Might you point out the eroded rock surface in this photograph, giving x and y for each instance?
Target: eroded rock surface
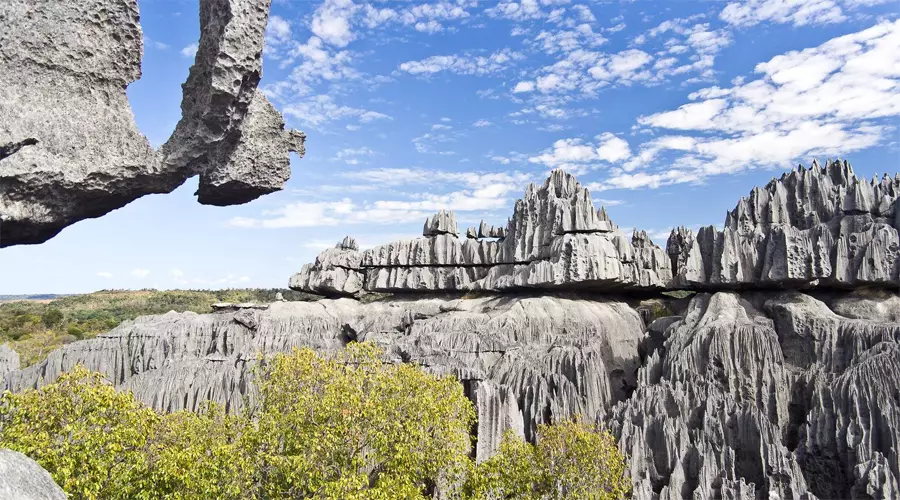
(71, 149)
(21, 478)
(524, 360)
(555, 239)
(816, 227)
(765, 396)
(820, 227)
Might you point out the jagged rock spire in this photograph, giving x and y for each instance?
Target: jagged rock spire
(443, 222)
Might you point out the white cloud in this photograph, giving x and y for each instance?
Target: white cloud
(797, 12)
(464, 64)
(278, 30)
(322, 109)
(430, 26)
(566, 152)
(331, 22)
(525, 86)
(839, 97)
(517, 11)
(481, 191)
(612, 149)
(481, 123)
(105, 274)
(351, 155)
(189, 51)
(140, 273)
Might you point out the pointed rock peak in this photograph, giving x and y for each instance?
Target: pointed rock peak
(443, 222)
(348, 243)
(602, 215)
(561, 183)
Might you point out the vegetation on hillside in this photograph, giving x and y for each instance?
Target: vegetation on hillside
(346, 426)
(34, 329)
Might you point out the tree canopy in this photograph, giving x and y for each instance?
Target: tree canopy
(348, 426)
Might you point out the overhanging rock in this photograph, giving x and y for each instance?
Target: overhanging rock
(70, 147)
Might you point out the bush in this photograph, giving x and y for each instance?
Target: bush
(345, 426)
(90, 437)
(353, 426)
(571, 460)
(52, 317)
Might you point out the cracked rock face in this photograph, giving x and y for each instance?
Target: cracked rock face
(21, 478)
(816, 227)
(71, 149)
(766, 396)
(555, 239)
(523, 360)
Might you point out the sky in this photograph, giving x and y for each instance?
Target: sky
(669, 112)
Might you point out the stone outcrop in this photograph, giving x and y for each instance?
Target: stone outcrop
(9, 360)
(70, 147)
(765, 396)
(523, 360)
(813, 228)
(555, 239)
(819, 227)
(21, 478)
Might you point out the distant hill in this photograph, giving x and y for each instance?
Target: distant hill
(36, 324)
(37, 296)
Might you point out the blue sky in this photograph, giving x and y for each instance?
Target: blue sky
(669, 111)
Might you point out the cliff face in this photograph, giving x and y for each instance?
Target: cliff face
(777, 379)
(556, 239)
(816, 228)
(523, 360)
(73, 150)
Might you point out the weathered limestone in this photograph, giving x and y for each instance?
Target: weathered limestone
(336, 272)
(555, 239)
(524, 360)
(70, 147)
(21, 478)
(9, 360)
(816, 227)
(762, 396)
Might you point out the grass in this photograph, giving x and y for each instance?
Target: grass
(35, 328)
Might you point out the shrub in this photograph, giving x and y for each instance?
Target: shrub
(344, 426)
(90, 437)
(570, 460)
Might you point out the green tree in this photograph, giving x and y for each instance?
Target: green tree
(90, 437)
(352, 426)
(200, 455)
(571, 460)
(52, 317)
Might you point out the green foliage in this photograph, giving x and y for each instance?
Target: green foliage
(571, 460)
(346, 426)
(200, 455)
(34, 328)
(52, 317)
(355, 427)
(90, 437)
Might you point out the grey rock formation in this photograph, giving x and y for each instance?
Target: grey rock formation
(443, 222)
(524, 360)
(9, 360)
(21, 478)
(336, 272)
(765, 396)
(555, 239)
(71, 149)
(817, 227)
(485, 230)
